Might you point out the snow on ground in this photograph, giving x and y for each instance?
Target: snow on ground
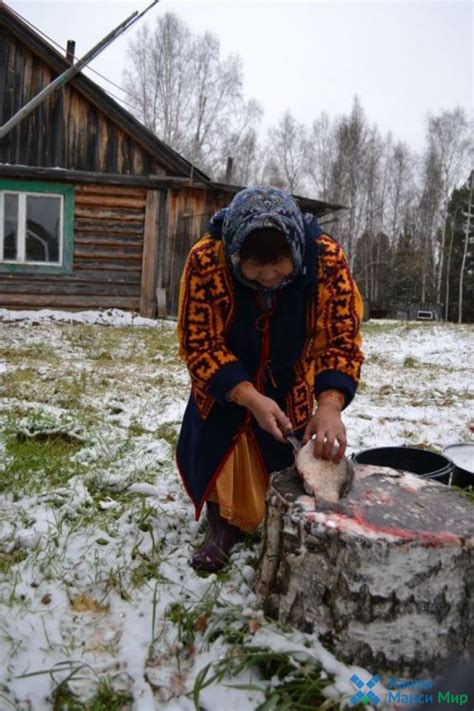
(95, 529)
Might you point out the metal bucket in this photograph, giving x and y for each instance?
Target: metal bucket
(426, 464)
(462, 456)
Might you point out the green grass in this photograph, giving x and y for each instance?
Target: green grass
(106, 699)
(21, 355)
(8, 560)
(169, 432)
(296, 682)
(128, 345)
(34, 465)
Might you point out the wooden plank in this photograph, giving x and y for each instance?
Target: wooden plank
(109, 201)
(85, 276)
(150, 254)
(121, 215)
(64, 300)
(71, 287)
(126, 191)
(103, 226)
(112, 255)
(108, 241)
(96, 265)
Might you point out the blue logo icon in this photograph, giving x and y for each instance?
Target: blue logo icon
(362, 697)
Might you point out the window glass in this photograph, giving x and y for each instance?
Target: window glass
(10, 226)
(43, 225)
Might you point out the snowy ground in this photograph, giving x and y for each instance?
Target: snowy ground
(99, 608)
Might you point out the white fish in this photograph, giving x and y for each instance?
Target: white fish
(323, 478)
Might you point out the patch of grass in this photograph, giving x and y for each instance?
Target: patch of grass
(19, 355)
(145, 571)
(410, 362)
(23, 384)
(69, 389)
(106, 699)
(111, 343)
(36, 464)
(7, 560)
(286, 681)
(136, 430)
(376, 359)
(169, 432)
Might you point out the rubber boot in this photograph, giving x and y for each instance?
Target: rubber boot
(221, 537)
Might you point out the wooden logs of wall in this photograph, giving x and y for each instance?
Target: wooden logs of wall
(107, 260)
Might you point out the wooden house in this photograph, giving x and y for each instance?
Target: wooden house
(95, 210)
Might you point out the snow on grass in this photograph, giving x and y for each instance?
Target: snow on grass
(98, 605)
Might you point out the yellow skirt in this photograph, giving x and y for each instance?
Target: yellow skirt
(241, 485)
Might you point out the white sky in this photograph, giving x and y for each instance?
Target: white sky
(403, 58)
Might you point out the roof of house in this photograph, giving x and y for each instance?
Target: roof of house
(169, 158)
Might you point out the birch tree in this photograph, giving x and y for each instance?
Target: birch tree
(449, 134)
(288, 148)
(320, 156)
(468, 225)
(428, 219)
(184, 91)
(347, 173)
(400, 188)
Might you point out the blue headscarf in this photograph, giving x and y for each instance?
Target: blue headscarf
(255, 208)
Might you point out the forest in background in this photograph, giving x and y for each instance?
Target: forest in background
(408, 226)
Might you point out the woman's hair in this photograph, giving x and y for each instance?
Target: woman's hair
(265, 246)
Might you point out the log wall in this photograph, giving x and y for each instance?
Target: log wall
(107, 259)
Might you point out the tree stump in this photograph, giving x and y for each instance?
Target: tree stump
(385, 576)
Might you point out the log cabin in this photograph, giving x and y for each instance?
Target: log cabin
(96, 212)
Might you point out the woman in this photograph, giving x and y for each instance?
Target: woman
(268, 321)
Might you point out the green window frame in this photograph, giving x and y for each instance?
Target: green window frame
(23, 188)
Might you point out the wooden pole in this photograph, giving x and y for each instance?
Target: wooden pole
(150, 255)
(63, 78)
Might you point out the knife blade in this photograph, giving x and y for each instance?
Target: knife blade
(294, 441)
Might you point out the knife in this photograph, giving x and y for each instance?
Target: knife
(294, 441)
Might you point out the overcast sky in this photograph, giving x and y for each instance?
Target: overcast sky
(402, 58)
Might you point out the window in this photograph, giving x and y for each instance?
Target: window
(425, 316)
(36, 227)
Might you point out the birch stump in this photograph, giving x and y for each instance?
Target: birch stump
(385, 576)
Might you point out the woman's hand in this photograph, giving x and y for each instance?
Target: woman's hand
(270, 416)
(329, 428)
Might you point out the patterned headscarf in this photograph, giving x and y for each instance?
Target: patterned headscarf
(252, 209)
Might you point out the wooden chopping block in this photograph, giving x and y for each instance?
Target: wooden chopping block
(385, 576)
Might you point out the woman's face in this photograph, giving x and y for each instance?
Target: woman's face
(267, 275)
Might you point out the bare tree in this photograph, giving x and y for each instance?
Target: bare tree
(468, 215)
(241, 142)
(428, 213)
(320, 156)
(347, 173)
(184, 91)
(288, 142)
(159, 78)
(450, 136)
(401, 187)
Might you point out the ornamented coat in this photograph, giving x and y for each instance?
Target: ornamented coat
(308, 340)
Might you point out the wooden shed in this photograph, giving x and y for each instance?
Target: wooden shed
(95, 210)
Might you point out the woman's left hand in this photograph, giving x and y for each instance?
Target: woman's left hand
(329, 428)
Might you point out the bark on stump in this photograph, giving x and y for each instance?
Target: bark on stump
(385, 577)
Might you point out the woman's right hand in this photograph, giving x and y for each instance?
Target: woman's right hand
(269, 415)
(266, 411)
